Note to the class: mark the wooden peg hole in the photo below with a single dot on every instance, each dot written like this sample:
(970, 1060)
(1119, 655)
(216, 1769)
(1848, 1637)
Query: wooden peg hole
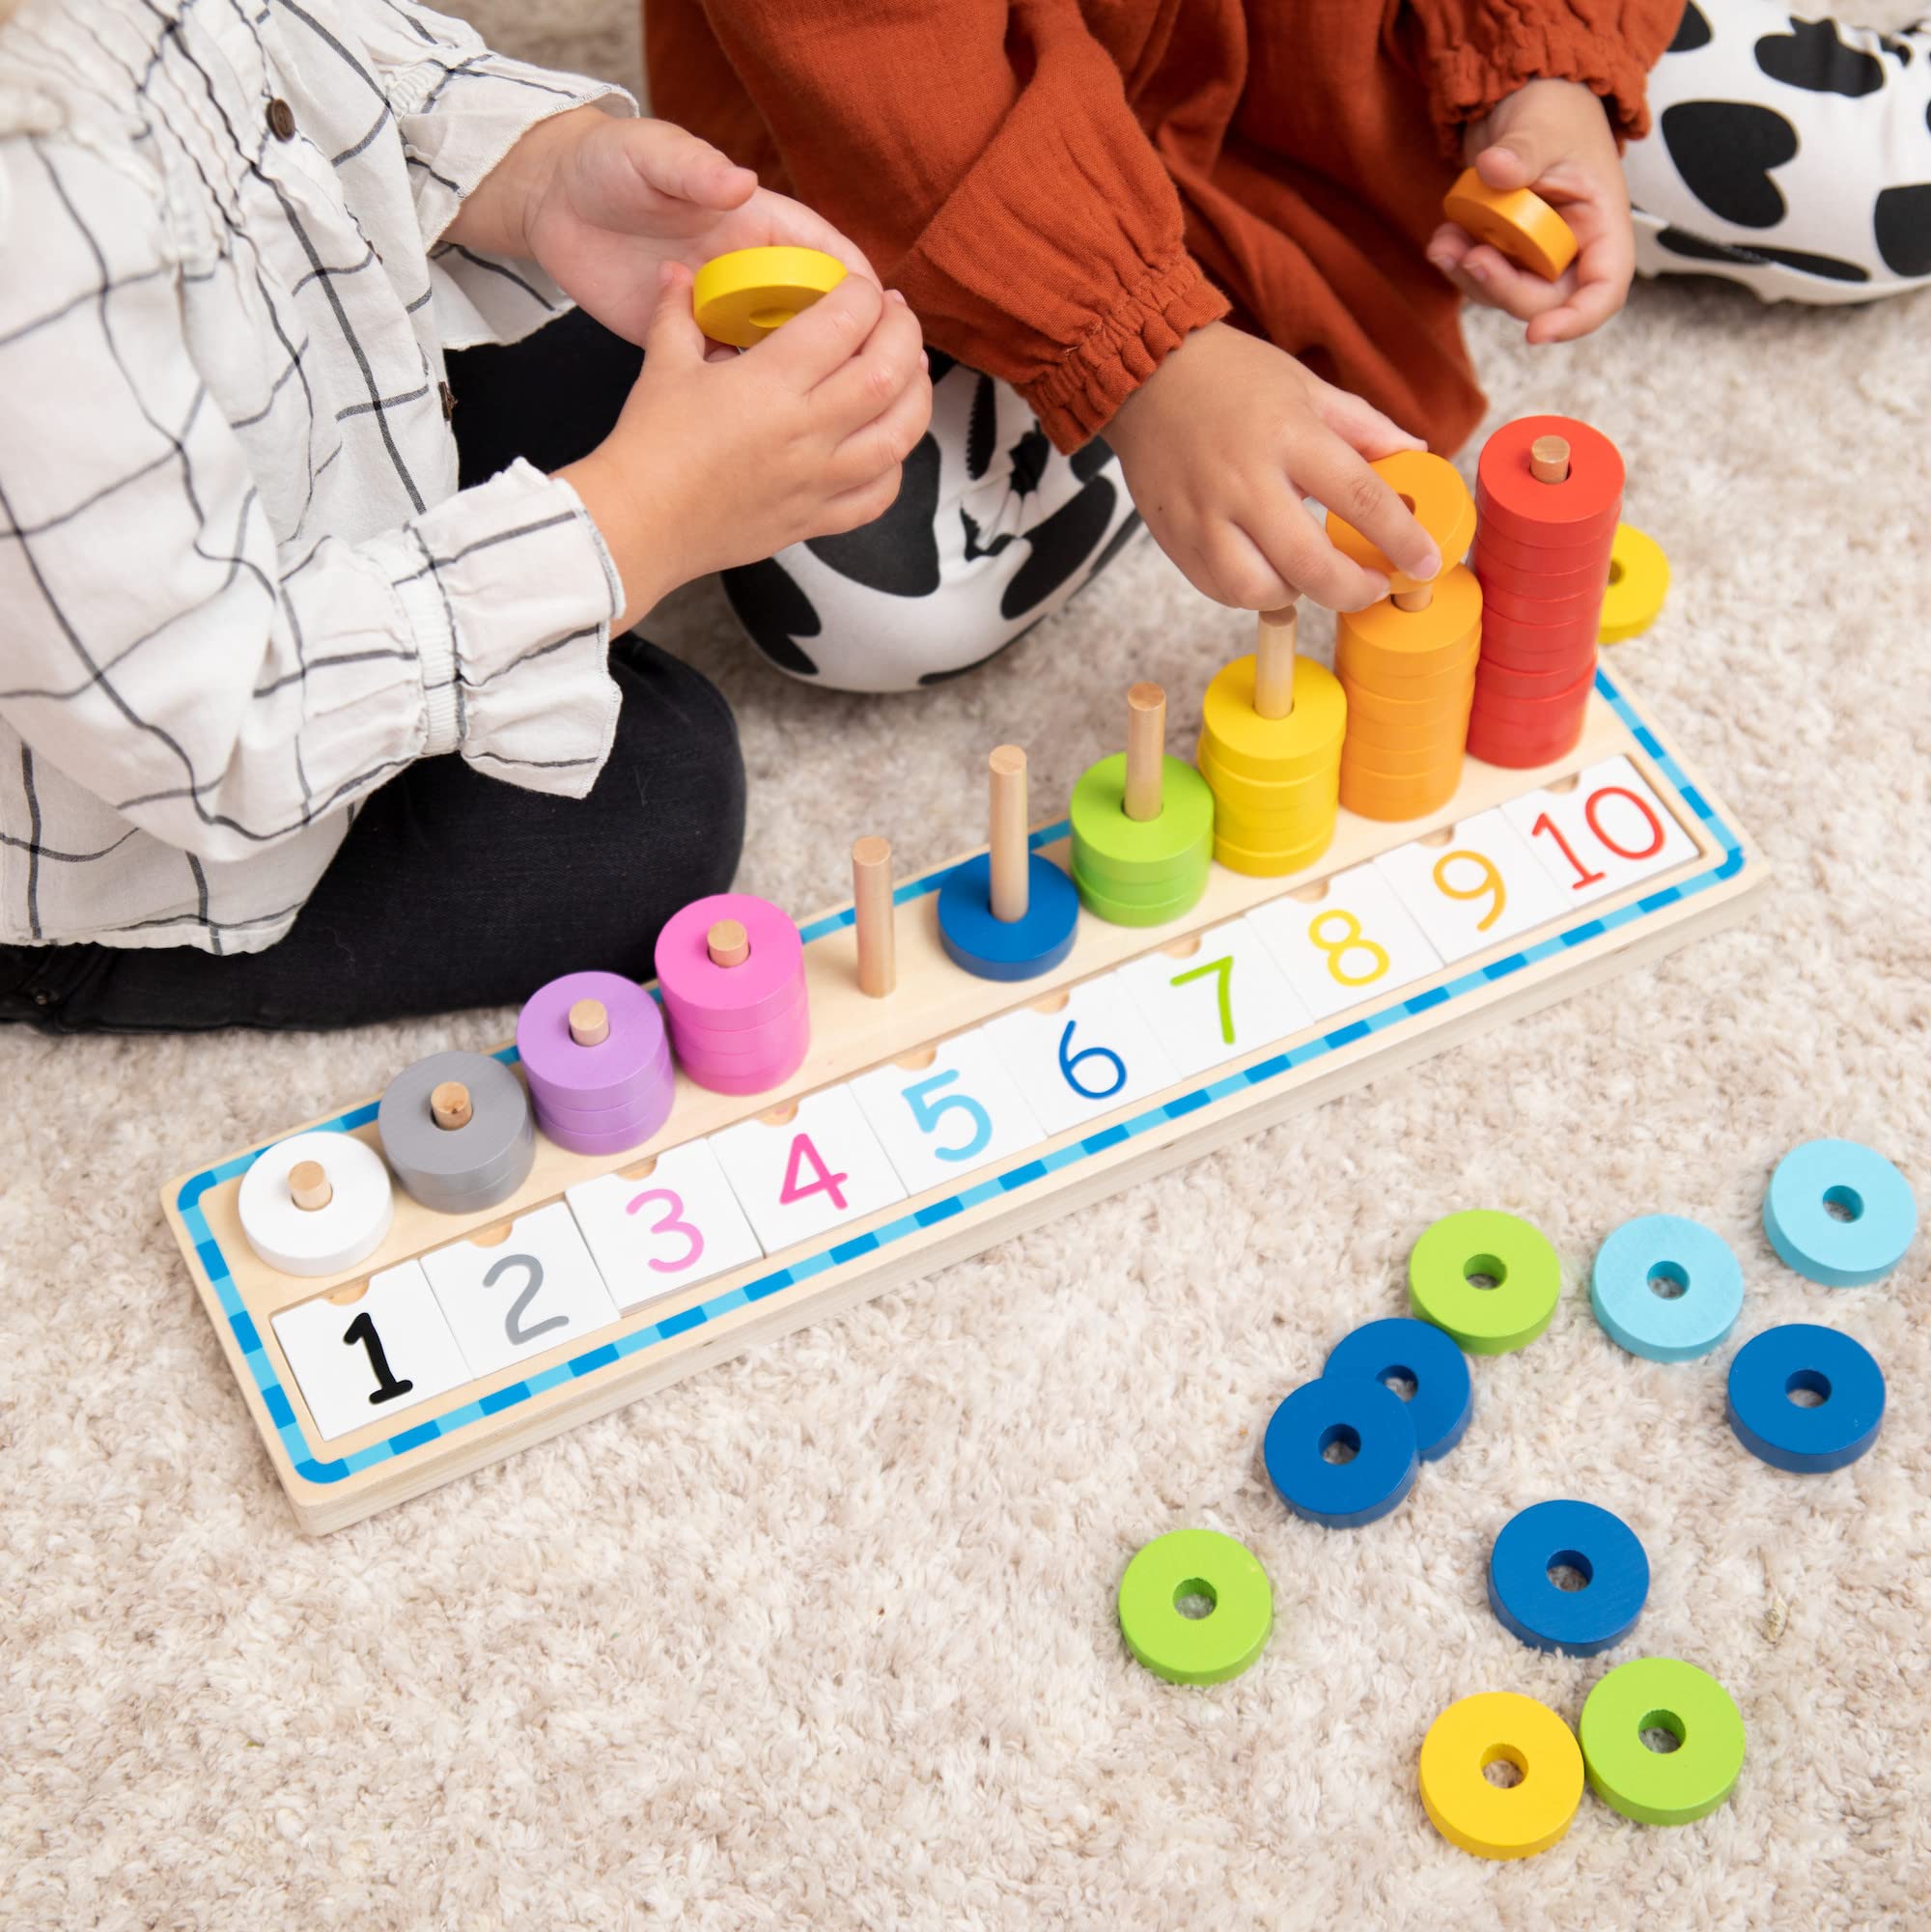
(1312, 893)
(1440, 837)
(308, 1186)
(639, 1170)
(449, 1105)
(348, 1293)
(1560, 786)
(492, 1236)
(917, 1060)
(728, 944)
(589, 1023)
(780, 1116)
(1549, 459)
(1054, 1002)
(1184, 948)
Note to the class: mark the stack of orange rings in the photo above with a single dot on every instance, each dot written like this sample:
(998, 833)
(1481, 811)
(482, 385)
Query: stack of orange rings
(1542, 553)
(1410, 675)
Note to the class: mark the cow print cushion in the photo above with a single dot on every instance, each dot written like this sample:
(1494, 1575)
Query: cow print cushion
(1791, 155)
(992, 530)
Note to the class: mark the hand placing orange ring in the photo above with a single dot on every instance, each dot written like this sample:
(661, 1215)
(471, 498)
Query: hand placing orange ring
(1517, 221)
(741, 298)
(1440, 500)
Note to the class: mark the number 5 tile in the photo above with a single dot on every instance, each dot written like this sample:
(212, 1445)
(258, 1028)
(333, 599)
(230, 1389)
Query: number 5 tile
(1480, 889)
(1352, 947)
(946, 1111)
(1092, 1054)
(800, 1176)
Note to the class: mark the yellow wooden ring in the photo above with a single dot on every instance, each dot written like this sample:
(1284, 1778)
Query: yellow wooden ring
(1638, 582)
(1514, 220)
(1307, 739)
(1491, 1820)
(1433, 491)
(741, 298)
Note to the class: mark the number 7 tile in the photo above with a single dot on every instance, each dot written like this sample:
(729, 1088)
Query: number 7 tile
(1215, 1001)
(799, 1177)
(662, 1225)
(939, 1120)
(1482, 887)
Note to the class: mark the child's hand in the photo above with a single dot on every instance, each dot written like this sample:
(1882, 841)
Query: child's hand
(1552, 136)
(1221, 445)
(602, 204)
(715, 462)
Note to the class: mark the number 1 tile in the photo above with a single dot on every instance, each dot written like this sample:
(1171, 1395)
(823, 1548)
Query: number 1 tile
(1608, 831)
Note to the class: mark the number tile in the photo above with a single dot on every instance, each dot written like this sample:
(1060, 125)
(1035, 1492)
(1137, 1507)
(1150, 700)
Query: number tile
(1092, 1055)
(1481, 888)
(941, 1121)
(372, 1357)
(685, 1227)
(531, 1291)
(1214, 1003)
(1351, 947)
(816, 1170)
(1607, 832)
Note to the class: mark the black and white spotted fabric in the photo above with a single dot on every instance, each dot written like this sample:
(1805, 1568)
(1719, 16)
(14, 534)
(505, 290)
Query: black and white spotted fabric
(992, 530)
(1792, 155)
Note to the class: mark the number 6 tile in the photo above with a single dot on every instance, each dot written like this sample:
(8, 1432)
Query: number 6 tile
(1092, 1054)
(802, 1176)
(946, 1111)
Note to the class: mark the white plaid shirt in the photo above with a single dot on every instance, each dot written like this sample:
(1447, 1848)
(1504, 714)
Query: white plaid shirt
(239, 588)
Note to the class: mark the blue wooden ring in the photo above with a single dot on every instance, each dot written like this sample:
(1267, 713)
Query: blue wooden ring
(1679, 1254)
(1600, 1547)
(995, 948)
(1855, 1181)
(1771, 1367)
(1420, 1353)
(1370, 1418)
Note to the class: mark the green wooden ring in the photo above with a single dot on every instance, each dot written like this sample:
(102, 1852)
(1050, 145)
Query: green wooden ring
(1195, 1650)
(1185, 880)
(1515, 1255)
(1661, 1787)
(1109, 845)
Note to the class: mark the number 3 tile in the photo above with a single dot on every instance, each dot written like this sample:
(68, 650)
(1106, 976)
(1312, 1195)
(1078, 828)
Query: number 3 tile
(1092, 1055)
(948, 1114)
(1352, 947)
(806, 1174)
(520, 1296)
(658, 1232)
(1480, 889)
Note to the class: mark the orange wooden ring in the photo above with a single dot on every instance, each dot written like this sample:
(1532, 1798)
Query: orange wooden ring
(1365, 703)
(1517, 221)
(1370, 736)
(1583, 506)
(1441, 506)
(1410, 682)
(1386, 639)
(1391, 801)
(1419, 761)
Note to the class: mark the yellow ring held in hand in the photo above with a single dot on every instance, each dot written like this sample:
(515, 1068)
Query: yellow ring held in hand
(1518, 221)
(741, 298)
(1638, 583)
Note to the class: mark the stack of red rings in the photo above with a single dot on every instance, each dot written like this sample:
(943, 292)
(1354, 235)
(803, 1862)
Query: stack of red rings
(1542, 555)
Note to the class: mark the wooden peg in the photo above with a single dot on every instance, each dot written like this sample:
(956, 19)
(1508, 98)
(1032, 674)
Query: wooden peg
(874, 918)
(589, 1023)
(1011, 860)
(308, 1186)
(1417, 598)
(728, 944)
(1549, 459)
(1146, 750)
(449, 1105)
(1273, 661)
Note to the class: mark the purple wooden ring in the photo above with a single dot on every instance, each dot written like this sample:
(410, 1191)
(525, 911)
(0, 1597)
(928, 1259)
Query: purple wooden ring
(760, 989)
(611, 1141)
(607, 1075)
(643, 1119)
(661, 1072)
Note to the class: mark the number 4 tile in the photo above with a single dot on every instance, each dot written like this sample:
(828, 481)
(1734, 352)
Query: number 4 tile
(1610, 830)
(945, 1113)
(662, 1225)
(371, 1354)
(800, 1176)
(1090, 1054)
(1351, 947)
(1217, 1000)
(1483, 887)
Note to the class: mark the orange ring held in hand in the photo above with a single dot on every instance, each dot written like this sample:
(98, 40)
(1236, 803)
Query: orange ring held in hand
(1517, 221)
(1439, 499)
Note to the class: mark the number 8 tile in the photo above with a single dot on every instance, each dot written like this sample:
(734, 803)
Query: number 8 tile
(1352, 947)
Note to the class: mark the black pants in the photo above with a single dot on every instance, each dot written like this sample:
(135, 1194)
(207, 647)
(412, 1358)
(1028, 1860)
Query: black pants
(453, 889)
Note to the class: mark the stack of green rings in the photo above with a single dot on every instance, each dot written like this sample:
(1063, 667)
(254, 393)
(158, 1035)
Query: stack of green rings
(1140, 872)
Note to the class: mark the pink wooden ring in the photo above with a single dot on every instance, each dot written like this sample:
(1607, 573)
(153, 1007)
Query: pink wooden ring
(749, 994)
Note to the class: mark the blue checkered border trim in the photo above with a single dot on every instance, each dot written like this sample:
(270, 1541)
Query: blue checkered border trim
(1015, 1180)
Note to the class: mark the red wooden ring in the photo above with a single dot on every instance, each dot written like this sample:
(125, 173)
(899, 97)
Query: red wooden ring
(1495, 546)
(1507, 680)
(1544, 608)
(1569, 510)
(1515, 633)
(1531, 712)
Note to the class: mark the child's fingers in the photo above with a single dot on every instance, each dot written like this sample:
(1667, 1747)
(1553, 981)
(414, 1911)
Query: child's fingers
(1360, 425)
(825, 336)
(1343, 482)
(1236, 573)
(1297, 549)
(673, 339)
(789, 224)
(676, 162)
(861, 388)
(851, 509)
(1603, 273)
(1516, 291)
(885, 441)
(1519, 159)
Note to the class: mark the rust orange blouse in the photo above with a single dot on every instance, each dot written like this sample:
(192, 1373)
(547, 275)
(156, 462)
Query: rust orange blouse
(1063, 189)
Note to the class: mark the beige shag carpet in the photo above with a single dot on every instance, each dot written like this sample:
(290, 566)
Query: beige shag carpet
(824, 1637)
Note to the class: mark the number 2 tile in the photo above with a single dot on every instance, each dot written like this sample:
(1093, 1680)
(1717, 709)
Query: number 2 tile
(524, 1295)
(1610, 830)
(1216, 1002)
(1352, 947)
(657, 1233)
(1094, 1054)
(1484, 887)
(374, 1358)
(941, 1121)
(802, 1177)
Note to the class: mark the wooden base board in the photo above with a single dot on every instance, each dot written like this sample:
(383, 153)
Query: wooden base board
(337, 1482)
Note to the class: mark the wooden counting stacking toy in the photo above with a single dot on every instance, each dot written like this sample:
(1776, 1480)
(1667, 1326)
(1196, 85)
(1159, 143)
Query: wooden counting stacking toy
(1142, 825)
(1210, 1569)
(594, 1052)
(317, 1204)
(1271, 728)
(1008, 914)
(1517, 222)
(741, 298)
(730, 969)
(457, 1132)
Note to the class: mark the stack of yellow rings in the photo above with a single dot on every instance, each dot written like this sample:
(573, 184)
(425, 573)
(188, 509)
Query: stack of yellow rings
(1275, 780)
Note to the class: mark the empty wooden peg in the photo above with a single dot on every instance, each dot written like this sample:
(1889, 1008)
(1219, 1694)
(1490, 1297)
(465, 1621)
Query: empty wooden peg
(874, 918)
(1273, 661)
(308, 1186)
(1549, 459)
(728, 944)
(589, 1023)
(1010, 857)
(449, 1105)
(1146, 752)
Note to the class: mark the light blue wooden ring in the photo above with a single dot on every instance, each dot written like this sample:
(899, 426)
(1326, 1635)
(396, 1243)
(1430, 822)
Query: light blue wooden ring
(1665, 1288)
(1818, 1182)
